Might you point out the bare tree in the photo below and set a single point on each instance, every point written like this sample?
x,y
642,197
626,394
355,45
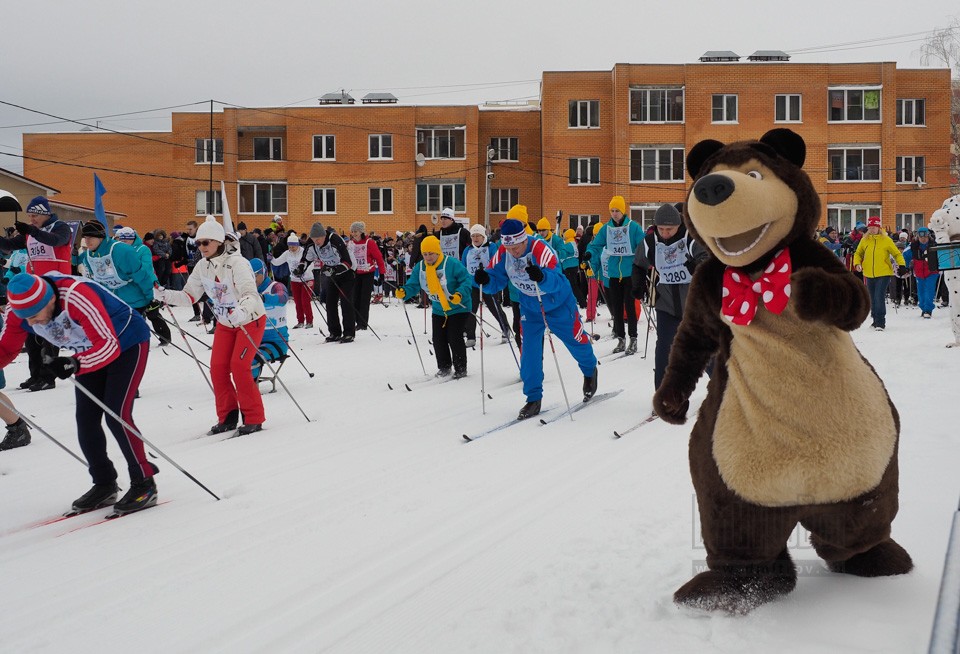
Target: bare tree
x,y
944,46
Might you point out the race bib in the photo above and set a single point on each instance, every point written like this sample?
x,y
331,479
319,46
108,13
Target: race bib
x,y
670,260
222,297
618,241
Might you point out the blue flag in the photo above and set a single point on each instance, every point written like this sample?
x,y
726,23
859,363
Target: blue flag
x,y
98,191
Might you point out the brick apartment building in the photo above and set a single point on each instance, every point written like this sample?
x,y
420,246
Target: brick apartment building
x,y
878,141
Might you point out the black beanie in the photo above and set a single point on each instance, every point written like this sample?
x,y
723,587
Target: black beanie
x,y
667,216
93,228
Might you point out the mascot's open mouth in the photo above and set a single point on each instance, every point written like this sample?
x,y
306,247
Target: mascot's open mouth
x,y
733,246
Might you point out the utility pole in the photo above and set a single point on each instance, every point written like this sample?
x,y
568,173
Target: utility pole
x,y
212,154
491,153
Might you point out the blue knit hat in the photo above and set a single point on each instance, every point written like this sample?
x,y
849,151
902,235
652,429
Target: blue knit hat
x,y
39,205
258,266
28,294
512,232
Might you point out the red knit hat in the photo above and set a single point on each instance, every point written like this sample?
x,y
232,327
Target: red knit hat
x,y
28,294
874,221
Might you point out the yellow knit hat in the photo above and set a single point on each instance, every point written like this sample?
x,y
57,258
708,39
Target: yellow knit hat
x,y
519,212
618,203
596,228
543,223
569,235
430,244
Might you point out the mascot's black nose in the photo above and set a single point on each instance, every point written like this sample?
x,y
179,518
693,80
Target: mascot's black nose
x,y
713,189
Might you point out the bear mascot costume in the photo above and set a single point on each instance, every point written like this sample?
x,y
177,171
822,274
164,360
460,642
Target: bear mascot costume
x,y
774,308
945,223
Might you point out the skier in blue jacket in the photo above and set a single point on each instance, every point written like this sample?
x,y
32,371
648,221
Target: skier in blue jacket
x,y
545,296
273,345
621,237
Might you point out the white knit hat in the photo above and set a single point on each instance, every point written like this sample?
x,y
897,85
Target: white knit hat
x,y
478,229
212,230
293,240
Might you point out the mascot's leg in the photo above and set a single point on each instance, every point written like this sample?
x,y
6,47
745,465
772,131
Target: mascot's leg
x,y
854,537
953,284
746,544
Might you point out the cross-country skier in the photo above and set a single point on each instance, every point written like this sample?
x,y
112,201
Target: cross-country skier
x,y
273,345
474,257
545,295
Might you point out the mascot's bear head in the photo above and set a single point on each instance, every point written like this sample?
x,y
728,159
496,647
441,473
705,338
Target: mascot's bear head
x,y
945,221
751,198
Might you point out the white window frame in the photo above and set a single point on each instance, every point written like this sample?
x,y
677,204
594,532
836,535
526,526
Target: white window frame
x,y
917,173
381,146
323,138
217,203
428,138
787,97
662,102
910,221
582,220
584,163
725,108
658,151
847,90
327,193
643,214
592,108
273,140
274,209
444,192
501,199
383,193
913,103
510,144
857,213
851,148
217,152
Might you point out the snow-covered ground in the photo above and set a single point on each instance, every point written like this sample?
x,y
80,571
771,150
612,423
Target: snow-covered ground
x,y
374,528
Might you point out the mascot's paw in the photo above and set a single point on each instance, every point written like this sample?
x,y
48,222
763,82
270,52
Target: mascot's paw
x,y
670,405
882,560
811,291
737,590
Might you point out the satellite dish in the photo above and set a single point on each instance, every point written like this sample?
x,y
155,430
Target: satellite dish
x,y
920,182
420,159
434,219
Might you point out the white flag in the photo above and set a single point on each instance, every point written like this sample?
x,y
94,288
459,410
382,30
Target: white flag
x,y
227,220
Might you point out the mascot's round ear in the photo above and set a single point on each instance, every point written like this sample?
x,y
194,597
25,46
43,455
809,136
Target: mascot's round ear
x,y
700,153
788,145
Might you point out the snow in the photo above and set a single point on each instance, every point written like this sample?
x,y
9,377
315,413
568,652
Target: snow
x,y
376,529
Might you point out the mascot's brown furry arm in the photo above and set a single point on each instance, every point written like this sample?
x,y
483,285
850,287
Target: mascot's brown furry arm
x,y
774,307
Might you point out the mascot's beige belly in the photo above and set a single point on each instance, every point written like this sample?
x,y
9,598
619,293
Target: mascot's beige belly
x,y
804,420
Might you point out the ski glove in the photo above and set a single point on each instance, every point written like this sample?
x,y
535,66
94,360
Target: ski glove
x,y
400,293
62,367
26,229
456,298
237,317
159,294
587,256
299,270
481,277
535,273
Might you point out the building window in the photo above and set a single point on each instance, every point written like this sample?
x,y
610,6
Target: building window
x,y
846,217
787,108
584,114
909,221
501,199
267,148
910,170
643,214
209,151
724,108
263,197
203,197
854,164
324,200
656,105
434,196
584,171
505,148
583,219
861,104
441,142
656,164
381,200
381,146
911,112
325,147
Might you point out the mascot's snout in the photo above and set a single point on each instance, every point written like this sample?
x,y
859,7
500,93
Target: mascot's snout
x,y
713,189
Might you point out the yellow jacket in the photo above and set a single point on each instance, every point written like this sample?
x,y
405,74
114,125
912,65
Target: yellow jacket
x,y
874,253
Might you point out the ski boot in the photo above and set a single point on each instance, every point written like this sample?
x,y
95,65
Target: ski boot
x,y
590,385
621,346
248,429
529,410
98,496
459,374
632,348
142,495
18,435
229,423
443,372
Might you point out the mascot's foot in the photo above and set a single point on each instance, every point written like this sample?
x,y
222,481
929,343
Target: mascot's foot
x,y
955,344
738,589
882,560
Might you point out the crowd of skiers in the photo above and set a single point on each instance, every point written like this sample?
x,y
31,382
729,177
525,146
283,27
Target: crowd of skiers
x,y
102,300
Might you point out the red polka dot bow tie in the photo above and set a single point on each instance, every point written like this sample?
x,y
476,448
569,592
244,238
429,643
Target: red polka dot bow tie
x,y
742,295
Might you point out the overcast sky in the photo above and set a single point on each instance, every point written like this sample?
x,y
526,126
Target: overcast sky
x,y
94,58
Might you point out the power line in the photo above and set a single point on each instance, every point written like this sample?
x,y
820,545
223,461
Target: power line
x,y
128,113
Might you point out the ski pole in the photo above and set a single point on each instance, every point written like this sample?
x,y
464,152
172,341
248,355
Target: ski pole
x,y
353,308
320,312
9,406
192,353
93,398
483,388
292,351
273,371
404,305
203,343
177,347
546,327
651,298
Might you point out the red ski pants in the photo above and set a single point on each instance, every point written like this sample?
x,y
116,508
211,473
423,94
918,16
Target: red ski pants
x,y
231,358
